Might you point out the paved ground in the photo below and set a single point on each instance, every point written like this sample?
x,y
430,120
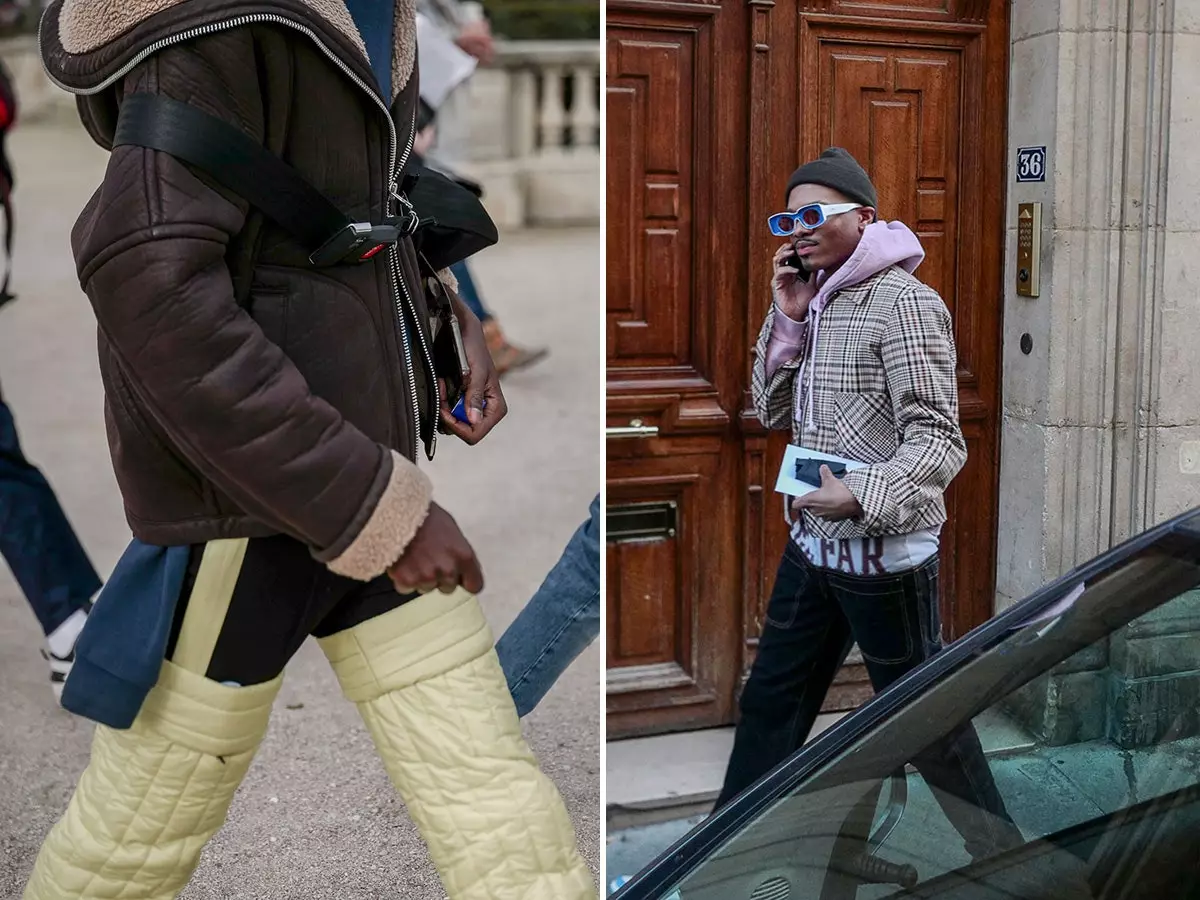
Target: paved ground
x,y
316,817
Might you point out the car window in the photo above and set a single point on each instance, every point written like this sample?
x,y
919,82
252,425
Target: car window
x,y
1087,717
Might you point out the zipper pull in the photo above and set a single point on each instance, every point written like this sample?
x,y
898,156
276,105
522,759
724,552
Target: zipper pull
x,y
411,219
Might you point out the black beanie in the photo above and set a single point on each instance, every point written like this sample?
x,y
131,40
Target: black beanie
x,y
836,169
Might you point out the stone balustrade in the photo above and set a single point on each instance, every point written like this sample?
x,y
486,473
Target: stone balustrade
x,y
527,127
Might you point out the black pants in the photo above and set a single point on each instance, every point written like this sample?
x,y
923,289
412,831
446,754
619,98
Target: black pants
x,y
282,595
813,618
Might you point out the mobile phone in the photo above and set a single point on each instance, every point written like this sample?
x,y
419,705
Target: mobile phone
x,y
809,470
794,262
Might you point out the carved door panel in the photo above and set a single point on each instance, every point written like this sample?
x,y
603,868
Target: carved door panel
x,y
673,657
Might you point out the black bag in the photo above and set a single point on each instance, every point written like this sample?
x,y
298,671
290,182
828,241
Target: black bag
x,y
452,223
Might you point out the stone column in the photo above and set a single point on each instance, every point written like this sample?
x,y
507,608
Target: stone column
x,y
1101,421
1101,429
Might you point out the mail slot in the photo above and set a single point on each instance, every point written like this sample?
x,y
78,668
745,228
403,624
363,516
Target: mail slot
x,y
642,521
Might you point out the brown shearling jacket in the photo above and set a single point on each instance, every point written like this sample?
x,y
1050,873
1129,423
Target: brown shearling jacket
x,y
246,392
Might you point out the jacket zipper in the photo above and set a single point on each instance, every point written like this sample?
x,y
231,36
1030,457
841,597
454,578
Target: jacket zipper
x,y
394,168
398,281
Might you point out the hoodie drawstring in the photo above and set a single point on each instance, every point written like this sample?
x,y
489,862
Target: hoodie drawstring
x,y
814,314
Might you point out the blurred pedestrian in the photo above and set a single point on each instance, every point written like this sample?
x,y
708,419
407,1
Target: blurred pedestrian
x,y
45,556
465,25
559,623
36,540
8,118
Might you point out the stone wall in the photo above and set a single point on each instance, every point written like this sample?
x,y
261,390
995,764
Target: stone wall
x,y
1101,422
1139,688
527,128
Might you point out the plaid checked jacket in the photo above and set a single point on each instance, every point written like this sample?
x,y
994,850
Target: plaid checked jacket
x,y
884,393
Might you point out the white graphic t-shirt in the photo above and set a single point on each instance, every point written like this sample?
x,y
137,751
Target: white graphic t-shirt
x,y
866,555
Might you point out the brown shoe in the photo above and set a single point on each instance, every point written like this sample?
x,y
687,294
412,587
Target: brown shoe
x,y
509,356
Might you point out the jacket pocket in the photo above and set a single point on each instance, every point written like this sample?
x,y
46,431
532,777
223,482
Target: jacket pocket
x,y
143,456
326,331
866,428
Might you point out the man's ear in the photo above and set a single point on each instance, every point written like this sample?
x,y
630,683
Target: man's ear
x,y
866,215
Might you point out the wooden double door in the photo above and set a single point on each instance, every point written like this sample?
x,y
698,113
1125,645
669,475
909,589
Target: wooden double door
x,y
711,105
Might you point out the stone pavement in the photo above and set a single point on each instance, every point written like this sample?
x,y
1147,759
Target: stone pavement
x,y
316,817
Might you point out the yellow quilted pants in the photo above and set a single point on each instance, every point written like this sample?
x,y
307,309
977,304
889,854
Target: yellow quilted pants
x,y
428,684
152,795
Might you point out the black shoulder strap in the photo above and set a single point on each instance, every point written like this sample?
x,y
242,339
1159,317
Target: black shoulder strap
x,y
235,160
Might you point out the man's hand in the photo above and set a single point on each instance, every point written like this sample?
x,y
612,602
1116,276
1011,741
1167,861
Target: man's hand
x,y
475,38
438,557
790,294
486,405
832,500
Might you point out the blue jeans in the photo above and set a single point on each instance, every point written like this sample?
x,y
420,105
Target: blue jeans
x,y
36,540
468,291
558,623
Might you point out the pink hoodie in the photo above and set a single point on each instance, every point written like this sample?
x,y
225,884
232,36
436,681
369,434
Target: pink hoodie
x,y
883,244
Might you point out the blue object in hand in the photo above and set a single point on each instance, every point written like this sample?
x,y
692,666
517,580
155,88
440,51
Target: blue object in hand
x,y
460,410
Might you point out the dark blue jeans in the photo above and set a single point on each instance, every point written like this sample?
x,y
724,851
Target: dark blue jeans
x,y
36,540
468,291
813,618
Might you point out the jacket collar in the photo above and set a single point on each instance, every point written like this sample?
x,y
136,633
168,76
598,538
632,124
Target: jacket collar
x,y
84,40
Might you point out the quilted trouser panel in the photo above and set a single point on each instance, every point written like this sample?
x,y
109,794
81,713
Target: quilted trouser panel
x,y
430,688
153,795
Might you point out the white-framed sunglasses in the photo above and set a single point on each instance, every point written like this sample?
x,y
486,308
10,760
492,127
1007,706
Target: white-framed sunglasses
x,y
784,224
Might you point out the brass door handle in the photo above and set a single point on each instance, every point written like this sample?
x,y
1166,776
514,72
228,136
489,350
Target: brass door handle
x,y
635,429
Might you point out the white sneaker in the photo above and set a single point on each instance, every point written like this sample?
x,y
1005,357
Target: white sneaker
x,y
59,651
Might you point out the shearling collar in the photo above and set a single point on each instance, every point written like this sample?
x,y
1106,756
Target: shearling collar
x,y
84,39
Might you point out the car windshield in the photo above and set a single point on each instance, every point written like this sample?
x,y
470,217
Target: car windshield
x,y
1055,753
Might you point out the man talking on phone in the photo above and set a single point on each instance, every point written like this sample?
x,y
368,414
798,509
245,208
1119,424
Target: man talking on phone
x,y
857,358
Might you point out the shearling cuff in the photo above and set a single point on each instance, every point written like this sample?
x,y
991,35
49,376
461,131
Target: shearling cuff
x,y
398,515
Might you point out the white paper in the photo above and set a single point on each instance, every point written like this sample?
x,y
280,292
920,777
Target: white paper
x,y
442,66
789,484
